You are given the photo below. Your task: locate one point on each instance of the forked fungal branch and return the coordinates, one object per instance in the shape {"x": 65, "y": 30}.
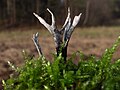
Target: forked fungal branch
{"x": 36, "y": 42}
{"x": 61, "y": 36}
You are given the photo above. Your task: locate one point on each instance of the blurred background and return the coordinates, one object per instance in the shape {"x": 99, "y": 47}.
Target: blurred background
{"x": 95, "y": 12}
{"x": 97, "y": 30}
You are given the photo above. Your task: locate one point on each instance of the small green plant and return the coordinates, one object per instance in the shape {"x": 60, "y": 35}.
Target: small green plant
{"x": 91, "y": 74}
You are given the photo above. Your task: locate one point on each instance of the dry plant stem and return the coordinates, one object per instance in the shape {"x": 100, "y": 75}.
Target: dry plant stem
{"x": 61, "y": 37}
{"x": 36, "y": 42}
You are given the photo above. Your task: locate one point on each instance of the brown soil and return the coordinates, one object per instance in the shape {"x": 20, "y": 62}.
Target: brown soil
{"x": 88, "y": 40}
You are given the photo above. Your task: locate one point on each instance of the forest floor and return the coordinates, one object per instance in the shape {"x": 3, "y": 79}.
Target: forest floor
{"x": 92, "y": 40}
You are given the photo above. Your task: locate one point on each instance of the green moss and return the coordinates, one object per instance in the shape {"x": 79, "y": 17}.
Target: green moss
{"x": 91, "y": 74}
